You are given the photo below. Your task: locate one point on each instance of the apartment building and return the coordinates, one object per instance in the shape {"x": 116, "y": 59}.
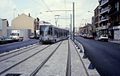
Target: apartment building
{"x": 3, "y": 27}
{"x": 94, "y": 30}
{"x": 97, "y": 15}
{"x": 97, "y": 19}
{"x": 104, "y": 18}
{"x": 86, "y": 30}
{"x": 114, "y": 19}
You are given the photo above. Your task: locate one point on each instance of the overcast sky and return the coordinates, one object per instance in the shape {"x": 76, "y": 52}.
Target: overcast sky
{"x": 10, "y": 9}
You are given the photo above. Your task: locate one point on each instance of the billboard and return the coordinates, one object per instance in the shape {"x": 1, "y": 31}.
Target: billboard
{"x": 0, "y": 24}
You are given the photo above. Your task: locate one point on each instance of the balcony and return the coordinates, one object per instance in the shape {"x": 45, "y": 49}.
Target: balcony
{"x": 102, "y": 27}
{"x": 103, "y": 2}
{"x": 103, "y": 19}
{"x": 104, "y": 10}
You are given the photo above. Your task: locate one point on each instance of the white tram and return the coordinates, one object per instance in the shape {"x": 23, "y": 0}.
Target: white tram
{"x": 52, "y": 34}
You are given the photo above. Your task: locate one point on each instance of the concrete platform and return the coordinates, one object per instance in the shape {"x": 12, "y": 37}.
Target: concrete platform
{"x": 77, "y": 67}
{"x": 86, "y": 62}
{"x": 56, "y": 65}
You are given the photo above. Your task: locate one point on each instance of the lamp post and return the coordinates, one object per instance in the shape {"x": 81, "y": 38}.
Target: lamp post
{"x": 14, "y": 12}
{"x": 73, "y": 20}
{"x": 56, "y": 19}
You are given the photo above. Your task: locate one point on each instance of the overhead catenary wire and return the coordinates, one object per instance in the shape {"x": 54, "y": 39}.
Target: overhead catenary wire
{"x": 65, "y": 3}
{"x": 44, "y": 3}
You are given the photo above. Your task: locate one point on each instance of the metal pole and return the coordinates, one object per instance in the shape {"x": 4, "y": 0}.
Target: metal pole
{"x": 56, "y": 19}
{"x": 73, "y": 20}
{"x": 71, "y": 26}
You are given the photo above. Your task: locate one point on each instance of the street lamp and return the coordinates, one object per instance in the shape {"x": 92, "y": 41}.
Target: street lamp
{"x": 56, "y": 19}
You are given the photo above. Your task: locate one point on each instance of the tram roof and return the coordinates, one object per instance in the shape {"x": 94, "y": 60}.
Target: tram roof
{"x": 52, "y": 26}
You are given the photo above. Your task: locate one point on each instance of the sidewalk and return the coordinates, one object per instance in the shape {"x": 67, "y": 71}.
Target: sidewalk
{"x": 115, "y": 41}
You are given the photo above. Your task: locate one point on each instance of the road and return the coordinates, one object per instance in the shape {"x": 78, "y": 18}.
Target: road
{"x": 105, "y": 56}
{"x": 15, "y": 45}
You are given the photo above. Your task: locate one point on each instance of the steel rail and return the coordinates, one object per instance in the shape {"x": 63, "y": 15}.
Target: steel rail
{"x": 12, "y": 52}
{"x": 17, "y": 53}
{"x": 7, "y": 69}
{"x": 43, "y": 63}
{"x": 68, "y": 68}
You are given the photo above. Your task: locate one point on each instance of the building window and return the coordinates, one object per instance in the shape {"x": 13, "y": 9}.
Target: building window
{"x": 117, "y": 6}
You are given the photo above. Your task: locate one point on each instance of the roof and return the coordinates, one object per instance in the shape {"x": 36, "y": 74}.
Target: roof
{"x": 24, "y": 16}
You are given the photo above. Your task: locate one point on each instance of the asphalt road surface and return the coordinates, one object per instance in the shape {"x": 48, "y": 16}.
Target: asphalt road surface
{"x": 105, "y": 56}
{"x": 15, "y": 45}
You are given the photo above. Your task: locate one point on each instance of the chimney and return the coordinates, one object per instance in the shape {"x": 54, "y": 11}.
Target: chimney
{"x": 29, "y": 15}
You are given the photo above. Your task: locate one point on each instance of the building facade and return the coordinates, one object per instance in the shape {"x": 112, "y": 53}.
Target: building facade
{"x": 102, "y": 28}
{"x": 87, "y": 30}
{"x": 23, "y": 21}
{"x": 97, "y": 20}
{"x": 114, "y": 19}
{"x": 97, "y": 16}
{"x": 93, "y": 27}
{"x": 3, "y": 27}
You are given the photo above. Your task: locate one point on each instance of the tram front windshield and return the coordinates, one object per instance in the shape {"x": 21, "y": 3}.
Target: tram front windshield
{"x": 43, "y": 30}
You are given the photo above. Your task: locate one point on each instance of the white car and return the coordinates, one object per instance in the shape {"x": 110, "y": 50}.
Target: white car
{"x": 102, "y": 38}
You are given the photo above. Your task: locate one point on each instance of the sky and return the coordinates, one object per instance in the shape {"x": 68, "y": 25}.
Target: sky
{"x": 9, "y": 9}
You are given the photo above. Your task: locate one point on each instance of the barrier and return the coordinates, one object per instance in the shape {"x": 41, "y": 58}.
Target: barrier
{"x": 82, "y": 50}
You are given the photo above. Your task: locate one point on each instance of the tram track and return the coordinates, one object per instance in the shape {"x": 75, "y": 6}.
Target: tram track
{"x": 68, "y": 67}
{"x": 43, "y": 63}
{"x": 11, "y": 52}
{"x": 50, "y": 60}
{"x": 7, "y": 69}
{"x": 20, "y": 51}
{"x": 42, "y": 54}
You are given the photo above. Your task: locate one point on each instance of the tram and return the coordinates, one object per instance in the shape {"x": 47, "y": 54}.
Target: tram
{"x": 52, "y": 34}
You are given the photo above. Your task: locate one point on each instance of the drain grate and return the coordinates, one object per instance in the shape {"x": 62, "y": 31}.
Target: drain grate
{"x": 10, "y": 74}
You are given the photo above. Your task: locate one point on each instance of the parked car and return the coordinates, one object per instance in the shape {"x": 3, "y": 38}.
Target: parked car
{"x": 84, "y": 35}
{"x": 90, "y": 36}
{"x": 2, "y": 38}
{"x": 102, "y": 38}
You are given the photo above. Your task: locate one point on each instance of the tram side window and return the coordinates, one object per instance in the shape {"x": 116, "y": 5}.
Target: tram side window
{"x": 50, "y": 31}
{"x": 41, "y": 32}
{"x": 55, "y": 32}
